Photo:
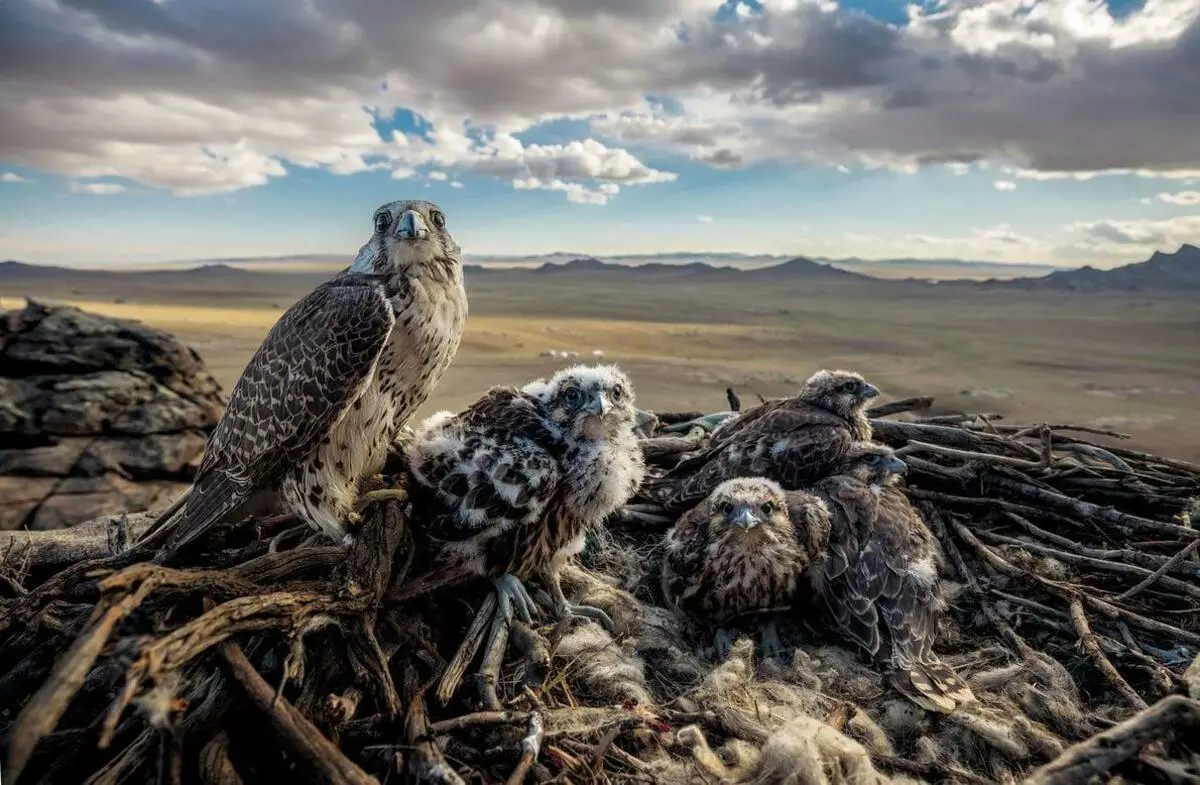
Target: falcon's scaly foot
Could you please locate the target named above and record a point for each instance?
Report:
(511, 593)
(398, 494)
(772, 647)
(723, 640)
(565, 609)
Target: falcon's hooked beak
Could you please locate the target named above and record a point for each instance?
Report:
(599, 404)
(896, 466)
(411, 226)
(745, 519)
(869, 390)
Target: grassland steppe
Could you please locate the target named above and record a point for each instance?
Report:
(1123, 360)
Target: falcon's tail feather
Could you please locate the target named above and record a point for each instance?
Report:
(210, 499)
(932, 685)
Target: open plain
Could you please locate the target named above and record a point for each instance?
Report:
(1121, 360)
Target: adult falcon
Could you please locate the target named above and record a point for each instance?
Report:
(337, 377)
(744, 548)
(509, 488)
(878, 583)
(793, 441)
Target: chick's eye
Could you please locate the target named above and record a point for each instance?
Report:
(849, 386)
(618, 393)
(439, 220)
(768, 508)
(572, 395)
(873, 459)
(382, 221)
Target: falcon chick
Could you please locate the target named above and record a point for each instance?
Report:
(335, 380)
(878, 583)
(793, 441)
(509, 488)
(743, 548)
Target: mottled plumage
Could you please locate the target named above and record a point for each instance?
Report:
(743, 548)
(511, 485)
(878, 583)
(793, 441)
(339, 374)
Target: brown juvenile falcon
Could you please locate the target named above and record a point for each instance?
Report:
(743, 548)
(877, 584)
(337, 377)
(794, 441)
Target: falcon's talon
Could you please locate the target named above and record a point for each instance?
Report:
(772, 647)
(589, 612)
(511, 593)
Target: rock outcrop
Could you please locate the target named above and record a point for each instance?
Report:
(97, 416)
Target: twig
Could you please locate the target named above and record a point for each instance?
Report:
(969, 455)
(291, 725)
(903, 405)
(1161, 571)
(479, 718)
(1103, 752)
(1088, 640)
(450, 680)
(531, 746)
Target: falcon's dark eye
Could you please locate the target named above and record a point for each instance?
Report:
(873, 459)
(572, 395)
(849, 386)
(768, 508)
(439, 220)
(618, 393)
(382, 222)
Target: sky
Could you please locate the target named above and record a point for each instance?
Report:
(1059, 131)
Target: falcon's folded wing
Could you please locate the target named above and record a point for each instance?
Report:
(310, 368)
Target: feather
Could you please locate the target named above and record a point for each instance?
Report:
(300, 381)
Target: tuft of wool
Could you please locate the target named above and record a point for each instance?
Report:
(597, 664)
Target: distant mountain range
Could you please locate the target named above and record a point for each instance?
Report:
(1161, 272)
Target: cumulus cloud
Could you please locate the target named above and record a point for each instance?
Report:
(1125, 241)
(439, 176)
(164, 95)
(456, 184)
(98, 189)
(12, 177)
(1183, 198)
(1004, 185)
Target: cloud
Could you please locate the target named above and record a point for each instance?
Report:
(98, 189)
(439, 176)
(1130, 240)
(403, 173)
(576, 192)
(704, 219)
(12, 177)
(1183, 198)
(163, 95)
(993, 243)
(456, 184)
(1004, 185)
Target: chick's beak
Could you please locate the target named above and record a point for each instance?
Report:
(411, 226)
(896, 466)
(870, 391)
(598, 404)
(745, 518)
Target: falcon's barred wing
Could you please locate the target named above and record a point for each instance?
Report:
(312, 365)
(683, 559)
(793, 447)
(493, 466)
(880, 589)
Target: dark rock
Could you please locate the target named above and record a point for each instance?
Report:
(97, 416)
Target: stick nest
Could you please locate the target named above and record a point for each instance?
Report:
(271, 656)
